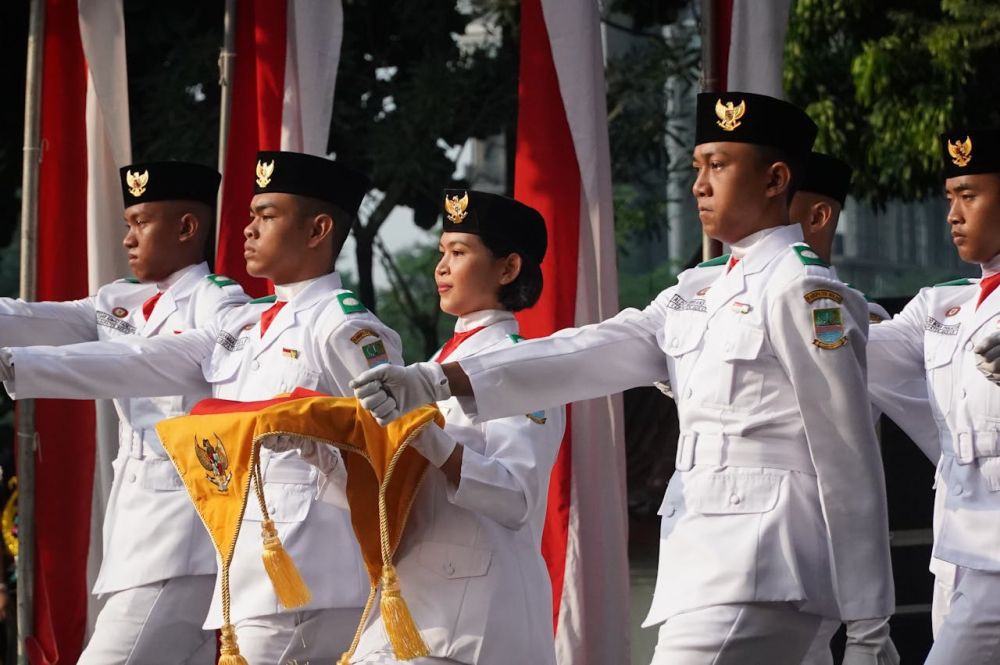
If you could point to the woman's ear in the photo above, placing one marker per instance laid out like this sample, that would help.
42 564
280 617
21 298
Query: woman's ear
511 269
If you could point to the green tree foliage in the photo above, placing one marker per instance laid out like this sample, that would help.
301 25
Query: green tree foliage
884 79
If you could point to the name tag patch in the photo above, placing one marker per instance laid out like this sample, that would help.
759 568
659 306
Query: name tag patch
230 343
938 328
115 323
681 305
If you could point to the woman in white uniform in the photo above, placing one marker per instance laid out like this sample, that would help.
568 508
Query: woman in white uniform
470 563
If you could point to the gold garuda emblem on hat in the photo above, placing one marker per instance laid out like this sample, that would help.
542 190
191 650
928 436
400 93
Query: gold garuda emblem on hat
215 461
136 182
729 115
960 151
264 172
456 207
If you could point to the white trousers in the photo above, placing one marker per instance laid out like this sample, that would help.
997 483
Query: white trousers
969 629
314 636
819 651
742 634
155 624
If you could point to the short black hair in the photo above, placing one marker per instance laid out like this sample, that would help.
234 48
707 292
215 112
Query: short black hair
796 165
526 288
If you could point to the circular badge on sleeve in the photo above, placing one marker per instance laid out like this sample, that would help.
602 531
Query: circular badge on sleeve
120 312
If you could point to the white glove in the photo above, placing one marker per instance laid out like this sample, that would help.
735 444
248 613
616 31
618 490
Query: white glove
988 357
389 391
435 445
868 643
6 365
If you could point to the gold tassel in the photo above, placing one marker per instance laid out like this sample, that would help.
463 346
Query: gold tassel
285 577
403 634
345 658
228 649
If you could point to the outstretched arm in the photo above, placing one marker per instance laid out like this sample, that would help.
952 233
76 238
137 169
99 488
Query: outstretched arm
131 367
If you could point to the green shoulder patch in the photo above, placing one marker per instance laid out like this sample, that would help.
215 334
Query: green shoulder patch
220 280
516 338
350 303
808 256
131 280
265 299
955 282
717 261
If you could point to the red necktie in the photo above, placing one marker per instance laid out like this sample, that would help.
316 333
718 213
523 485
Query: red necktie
733 260
269 314
986 286
147 307
455 340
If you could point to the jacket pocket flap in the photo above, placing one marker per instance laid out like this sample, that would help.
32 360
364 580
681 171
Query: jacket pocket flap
159 474
454 561
742 343
732 493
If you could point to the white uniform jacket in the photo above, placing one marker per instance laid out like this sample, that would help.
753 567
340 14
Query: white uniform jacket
319 340
779 493
933 338
470 563
151 531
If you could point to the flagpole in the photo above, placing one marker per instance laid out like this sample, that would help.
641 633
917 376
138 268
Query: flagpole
709 83
26 435
226 68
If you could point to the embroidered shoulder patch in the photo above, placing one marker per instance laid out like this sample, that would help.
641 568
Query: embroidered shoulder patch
363 333
808 256
349 303
828 326
264 300
955 282
220 280
375 353
717 261
823 294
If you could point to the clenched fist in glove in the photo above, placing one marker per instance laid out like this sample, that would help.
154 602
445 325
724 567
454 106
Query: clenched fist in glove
389 391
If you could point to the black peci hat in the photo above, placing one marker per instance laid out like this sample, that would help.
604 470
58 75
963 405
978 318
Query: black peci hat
308 175
970 152
746 117
827 176
169 181
503 224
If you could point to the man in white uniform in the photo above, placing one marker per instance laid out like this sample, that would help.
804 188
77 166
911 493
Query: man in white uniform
816 206
938 333
312 333
159 565
775 518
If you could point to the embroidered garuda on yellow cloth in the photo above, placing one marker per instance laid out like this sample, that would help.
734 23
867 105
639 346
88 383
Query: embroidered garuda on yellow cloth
216 450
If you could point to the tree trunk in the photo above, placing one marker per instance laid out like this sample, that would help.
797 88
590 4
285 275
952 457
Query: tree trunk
364 254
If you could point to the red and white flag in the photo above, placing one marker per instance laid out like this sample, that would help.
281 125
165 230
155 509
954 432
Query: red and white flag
750 45
85 138
286 69
562 168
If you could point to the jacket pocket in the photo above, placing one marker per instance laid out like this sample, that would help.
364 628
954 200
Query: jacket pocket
454 561
159 475
734 493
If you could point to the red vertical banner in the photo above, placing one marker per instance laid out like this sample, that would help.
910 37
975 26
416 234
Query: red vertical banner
63 476
546 178
722 31
255 124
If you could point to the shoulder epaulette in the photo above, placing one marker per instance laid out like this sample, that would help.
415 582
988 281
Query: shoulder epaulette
955 282
350 303
808 256
220 280
265 299
516 338
131 280
717 261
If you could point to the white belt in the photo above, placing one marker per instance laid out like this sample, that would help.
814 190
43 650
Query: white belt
136 442
967 447
725 450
